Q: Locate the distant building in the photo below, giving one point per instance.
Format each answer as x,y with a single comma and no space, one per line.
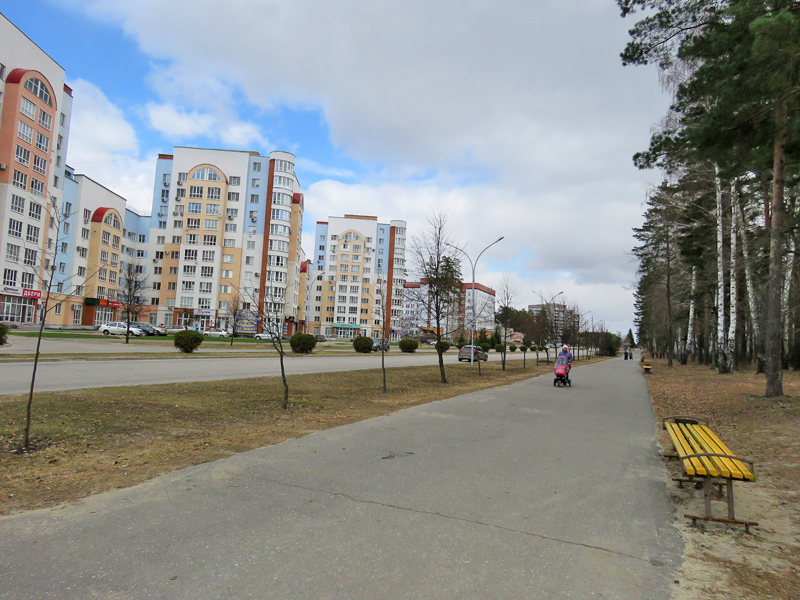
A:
418,319
359,271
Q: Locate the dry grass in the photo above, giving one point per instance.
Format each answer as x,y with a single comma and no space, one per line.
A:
93,440
723,562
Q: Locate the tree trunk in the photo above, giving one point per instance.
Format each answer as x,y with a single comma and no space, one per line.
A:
689,347
723,340
772,367
752,301
669,301
733,305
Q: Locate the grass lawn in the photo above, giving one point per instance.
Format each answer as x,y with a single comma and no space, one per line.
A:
92,440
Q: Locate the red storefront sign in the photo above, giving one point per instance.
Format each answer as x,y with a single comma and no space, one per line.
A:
26,293
111,303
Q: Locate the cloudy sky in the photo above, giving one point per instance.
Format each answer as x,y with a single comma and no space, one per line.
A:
513,116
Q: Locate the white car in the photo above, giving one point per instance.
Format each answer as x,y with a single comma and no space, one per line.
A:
263,336
220,333
119,328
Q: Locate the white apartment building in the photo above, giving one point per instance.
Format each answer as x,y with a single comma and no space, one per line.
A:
357,278
35,109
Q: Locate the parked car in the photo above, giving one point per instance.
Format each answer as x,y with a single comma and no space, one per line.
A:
173,329
157,328
264,335
477,351
119,328
380,344
146,327
321,338
216,332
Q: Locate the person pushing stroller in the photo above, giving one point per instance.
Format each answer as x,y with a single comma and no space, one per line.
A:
562,367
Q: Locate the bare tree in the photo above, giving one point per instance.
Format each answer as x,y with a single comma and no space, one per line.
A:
505,313
440,273
237,313
131,294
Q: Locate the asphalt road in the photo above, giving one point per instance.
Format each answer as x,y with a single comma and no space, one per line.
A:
78,374
526,491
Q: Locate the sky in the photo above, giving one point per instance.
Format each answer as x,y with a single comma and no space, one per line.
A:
514,118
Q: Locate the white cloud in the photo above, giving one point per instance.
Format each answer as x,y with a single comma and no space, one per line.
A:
514,114
104,146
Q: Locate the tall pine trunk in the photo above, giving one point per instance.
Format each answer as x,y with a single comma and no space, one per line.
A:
752,301
689,347
773,363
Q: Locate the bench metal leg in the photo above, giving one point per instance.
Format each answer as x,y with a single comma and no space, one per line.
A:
710,494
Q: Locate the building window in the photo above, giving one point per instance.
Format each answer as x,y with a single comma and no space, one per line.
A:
45,120
228,243
212,209
10,277
23,156
37,186
33,234
234,181
12,252
25,132
210,224
209,240
28,108
194,208
20,179
42,142
195,191
257,167
214,193
255,183
233,196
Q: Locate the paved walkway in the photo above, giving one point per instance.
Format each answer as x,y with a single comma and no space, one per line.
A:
526,491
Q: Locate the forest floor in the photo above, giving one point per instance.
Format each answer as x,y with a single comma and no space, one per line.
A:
722,561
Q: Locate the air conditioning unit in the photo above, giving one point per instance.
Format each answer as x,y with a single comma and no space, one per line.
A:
254,219
163,199
3,166
175,213
179,182
257,274
177,198
155,260
230,217
86,221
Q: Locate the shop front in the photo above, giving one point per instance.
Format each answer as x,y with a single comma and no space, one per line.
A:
18,305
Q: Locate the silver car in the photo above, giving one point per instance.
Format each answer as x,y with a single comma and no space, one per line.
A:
119,328
465,352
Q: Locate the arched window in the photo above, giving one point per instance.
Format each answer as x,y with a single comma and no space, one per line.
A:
206,174
112,220
38,88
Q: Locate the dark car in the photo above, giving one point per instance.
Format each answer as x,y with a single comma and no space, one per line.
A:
146,327
380,344
321,338
477,352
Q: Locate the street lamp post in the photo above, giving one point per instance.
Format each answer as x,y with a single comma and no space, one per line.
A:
474,316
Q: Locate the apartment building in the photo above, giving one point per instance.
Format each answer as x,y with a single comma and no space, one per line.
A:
358,276
35,110
460,319
225,239
559,317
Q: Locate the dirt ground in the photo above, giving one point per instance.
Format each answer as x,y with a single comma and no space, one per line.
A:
722,561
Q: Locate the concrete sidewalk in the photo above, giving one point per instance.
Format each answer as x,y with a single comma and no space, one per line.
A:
527,491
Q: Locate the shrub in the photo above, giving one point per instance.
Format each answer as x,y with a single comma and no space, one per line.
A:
512,347
523,348
302,343
460,345
363,344
442,346
188,341
485,345
3,334
499,348
408,345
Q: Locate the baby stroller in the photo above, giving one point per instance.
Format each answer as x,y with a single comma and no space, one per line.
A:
561,372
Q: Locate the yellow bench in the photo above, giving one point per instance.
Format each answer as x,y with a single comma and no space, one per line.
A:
705,458
646,368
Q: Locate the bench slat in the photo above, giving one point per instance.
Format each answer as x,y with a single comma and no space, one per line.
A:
736,467
692,466
697,448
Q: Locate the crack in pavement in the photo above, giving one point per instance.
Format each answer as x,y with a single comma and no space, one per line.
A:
454,518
